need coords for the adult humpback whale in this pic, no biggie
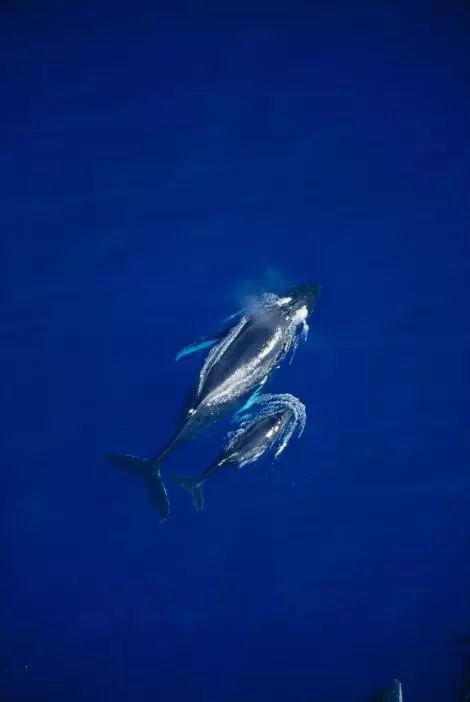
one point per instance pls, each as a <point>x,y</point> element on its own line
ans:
<point>240,362</point>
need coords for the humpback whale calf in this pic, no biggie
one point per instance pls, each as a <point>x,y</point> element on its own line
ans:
<point>240,361</point>
<point>272,427</point>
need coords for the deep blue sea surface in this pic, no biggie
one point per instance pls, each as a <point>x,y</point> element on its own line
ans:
<point>158,168</point>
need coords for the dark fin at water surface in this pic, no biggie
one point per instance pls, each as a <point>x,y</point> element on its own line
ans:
<point>194,487</point>
<point>391,693</point>
<point>150,472</point>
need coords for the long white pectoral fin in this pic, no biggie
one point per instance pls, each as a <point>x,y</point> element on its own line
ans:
<point>252,400</point>
<point>192,348</point>
<point>203,343</point>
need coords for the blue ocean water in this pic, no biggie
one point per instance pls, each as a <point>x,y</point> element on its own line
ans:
<point>159,168</point>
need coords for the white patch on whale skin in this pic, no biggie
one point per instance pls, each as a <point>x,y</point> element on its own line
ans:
<point>305,330</point>
<point>277,336</point>
<point>301,314</point>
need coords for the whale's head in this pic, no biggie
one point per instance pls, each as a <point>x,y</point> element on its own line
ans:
<point>303,296</point>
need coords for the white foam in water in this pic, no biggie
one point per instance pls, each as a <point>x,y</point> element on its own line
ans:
<point>293,420</point>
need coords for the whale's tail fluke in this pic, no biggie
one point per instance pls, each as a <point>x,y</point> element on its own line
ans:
<point>150,472</point>
<point>194,487</point>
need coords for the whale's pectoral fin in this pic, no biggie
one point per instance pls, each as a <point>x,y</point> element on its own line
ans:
<point>198,346</point>
<point>203,343</point>
<point>252,400</point>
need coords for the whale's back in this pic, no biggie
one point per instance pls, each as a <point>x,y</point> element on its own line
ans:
<point>258,341</point>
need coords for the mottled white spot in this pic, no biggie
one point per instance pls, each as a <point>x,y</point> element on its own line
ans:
<point>301,314</point>
<point>276,338</point>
